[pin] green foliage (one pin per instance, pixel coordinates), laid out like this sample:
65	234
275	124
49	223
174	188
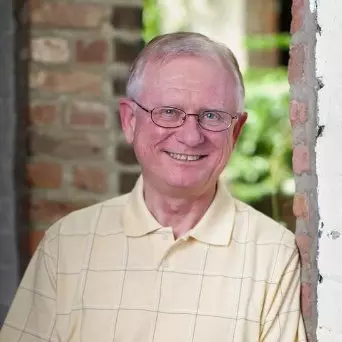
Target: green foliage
268	41
261	163
151	20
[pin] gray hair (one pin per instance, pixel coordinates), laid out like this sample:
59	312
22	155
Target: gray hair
166	46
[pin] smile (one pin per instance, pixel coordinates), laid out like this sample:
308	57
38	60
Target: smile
185	157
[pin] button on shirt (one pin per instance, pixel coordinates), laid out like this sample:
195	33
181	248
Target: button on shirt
111	272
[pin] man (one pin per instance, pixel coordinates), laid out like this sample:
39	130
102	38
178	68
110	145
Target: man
177	259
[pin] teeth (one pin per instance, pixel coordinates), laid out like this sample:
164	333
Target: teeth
186	157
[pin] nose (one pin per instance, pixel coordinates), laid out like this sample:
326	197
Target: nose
190	133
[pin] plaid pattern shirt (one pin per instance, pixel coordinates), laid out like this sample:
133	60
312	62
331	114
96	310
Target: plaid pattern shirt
111	273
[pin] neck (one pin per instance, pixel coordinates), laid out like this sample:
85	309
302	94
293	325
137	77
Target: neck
180	213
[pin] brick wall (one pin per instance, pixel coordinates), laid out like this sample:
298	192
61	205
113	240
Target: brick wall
79	59
303	116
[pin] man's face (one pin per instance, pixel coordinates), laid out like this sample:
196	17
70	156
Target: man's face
191	84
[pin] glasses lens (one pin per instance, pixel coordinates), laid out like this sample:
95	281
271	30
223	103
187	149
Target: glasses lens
168	116
215	120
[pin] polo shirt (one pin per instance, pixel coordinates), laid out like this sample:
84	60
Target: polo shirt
112	273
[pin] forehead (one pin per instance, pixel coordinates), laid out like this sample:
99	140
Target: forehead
191	79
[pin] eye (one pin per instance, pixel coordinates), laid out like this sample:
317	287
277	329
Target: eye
212	116
169	112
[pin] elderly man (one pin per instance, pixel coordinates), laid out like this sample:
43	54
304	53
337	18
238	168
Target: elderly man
178	258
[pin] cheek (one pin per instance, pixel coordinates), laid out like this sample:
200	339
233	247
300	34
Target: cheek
146	141
143	133
223	144
150	135
223	150
229	141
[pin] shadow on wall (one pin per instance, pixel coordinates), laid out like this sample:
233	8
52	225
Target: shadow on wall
14	255
21	79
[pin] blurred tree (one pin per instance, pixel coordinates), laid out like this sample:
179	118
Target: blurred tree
151	20
261	163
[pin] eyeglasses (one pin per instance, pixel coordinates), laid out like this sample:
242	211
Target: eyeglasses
171	117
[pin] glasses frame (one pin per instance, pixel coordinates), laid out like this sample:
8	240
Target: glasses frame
150	111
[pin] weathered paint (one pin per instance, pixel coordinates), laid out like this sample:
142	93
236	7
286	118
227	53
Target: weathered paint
313	5
329	169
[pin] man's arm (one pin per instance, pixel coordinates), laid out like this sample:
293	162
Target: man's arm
283	320
32	314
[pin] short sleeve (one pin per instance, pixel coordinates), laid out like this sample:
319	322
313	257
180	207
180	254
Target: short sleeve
33	311
283	320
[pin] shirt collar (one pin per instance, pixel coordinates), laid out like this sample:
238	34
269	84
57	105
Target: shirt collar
215	227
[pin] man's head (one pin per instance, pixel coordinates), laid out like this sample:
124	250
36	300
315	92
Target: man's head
183	154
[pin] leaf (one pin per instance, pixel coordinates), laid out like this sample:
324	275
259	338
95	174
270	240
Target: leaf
268	42
261	162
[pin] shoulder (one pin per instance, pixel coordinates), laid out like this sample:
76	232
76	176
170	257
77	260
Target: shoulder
70	241
72	236
270	247
261	228
90	219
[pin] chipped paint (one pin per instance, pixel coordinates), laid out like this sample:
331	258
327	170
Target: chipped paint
329	170
313	5
334	235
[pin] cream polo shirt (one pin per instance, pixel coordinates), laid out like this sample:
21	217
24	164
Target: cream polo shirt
111	273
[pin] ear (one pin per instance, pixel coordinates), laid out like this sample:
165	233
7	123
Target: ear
128	119
238	127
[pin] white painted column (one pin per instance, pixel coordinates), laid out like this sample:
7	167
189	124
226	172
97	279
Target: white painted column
329	169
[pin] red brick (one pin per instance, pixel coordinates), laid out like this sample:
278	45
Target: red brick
42	114
300	206
301	159
50	50
50	14
296	64
35	4
310	337
306	300
86	114
90	178
34	239
127	17
304	243
92	52
125	154
127	181
49	211
297	15
79	82
67	145
298	112
44	175
119	85
126	50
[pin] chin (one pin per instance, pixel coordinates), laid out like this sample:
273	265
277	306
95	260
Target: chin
185	181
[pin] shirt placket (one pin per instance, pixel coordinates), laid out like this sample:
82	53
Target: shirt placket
169	247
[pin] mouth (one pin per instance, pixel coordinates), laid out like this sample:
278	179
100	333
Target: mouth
185	157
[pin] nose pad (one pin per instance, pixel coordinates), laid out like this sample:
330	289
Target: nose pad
196	118
190	133
189	119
